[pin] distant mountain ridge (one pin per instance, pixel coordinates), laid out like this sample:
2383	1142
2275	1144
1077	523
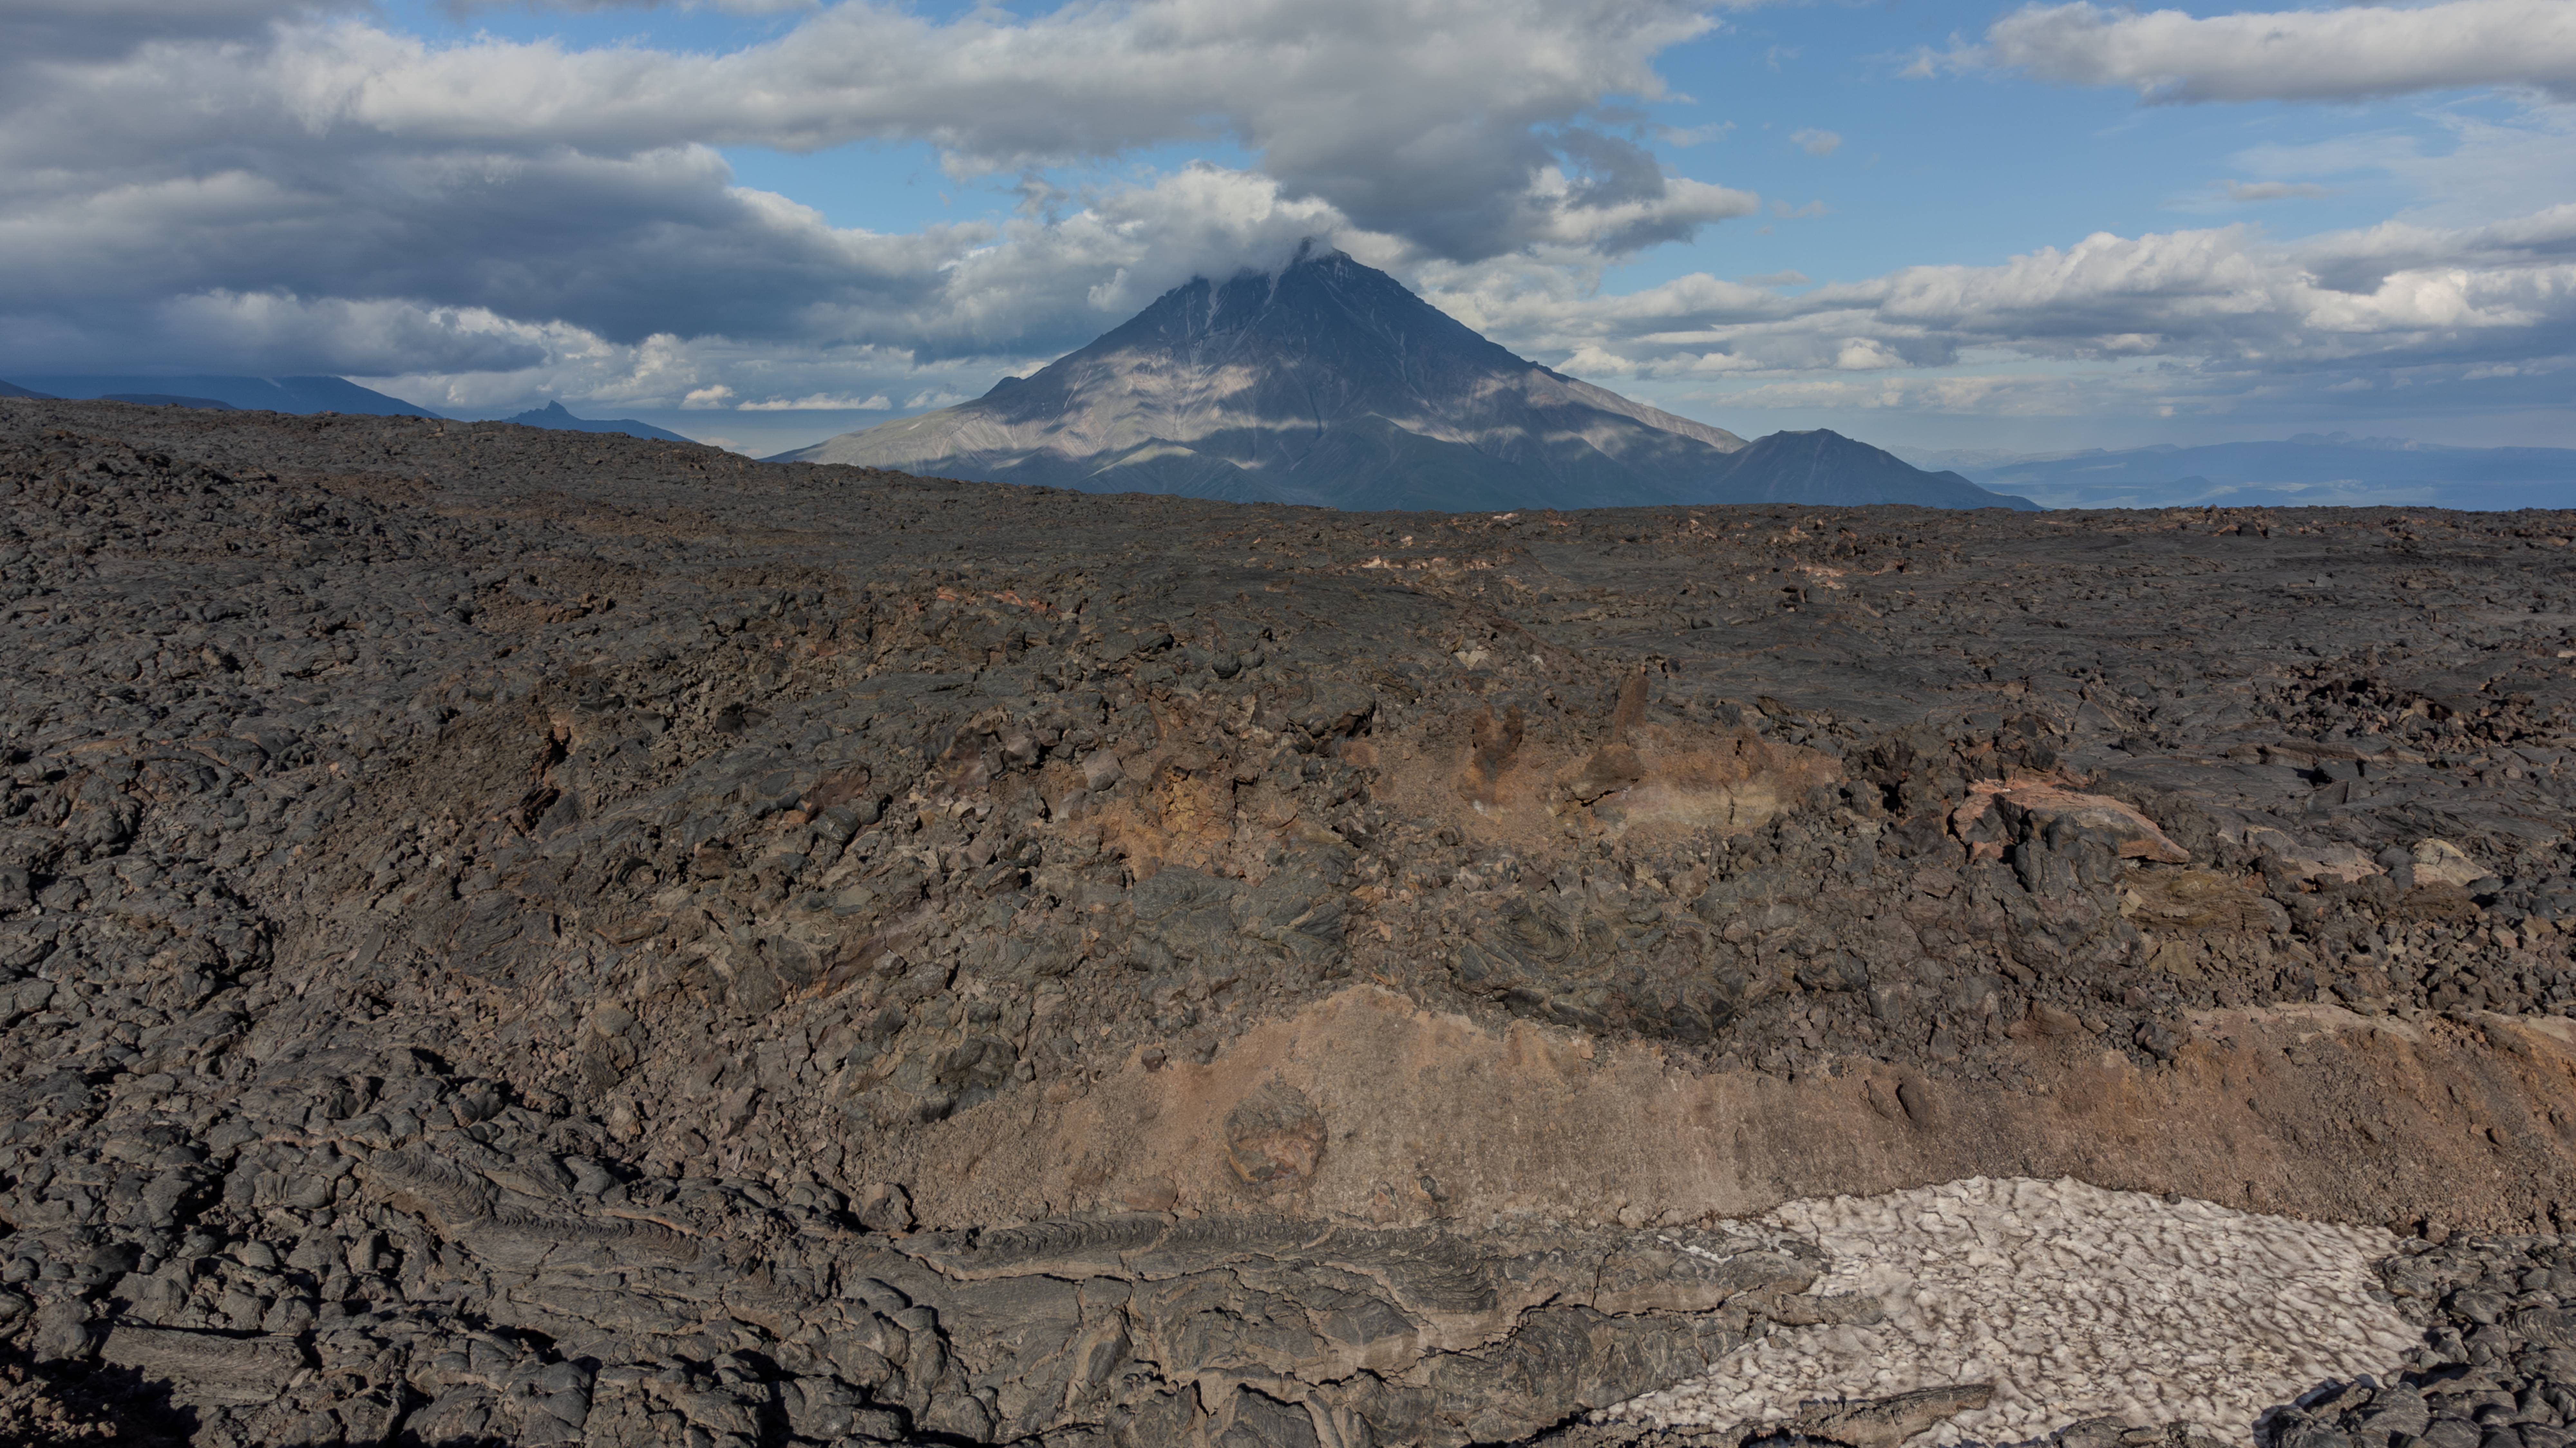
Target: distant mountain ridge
554	416
1330	383
266	394
2308	470
164	399
1827	468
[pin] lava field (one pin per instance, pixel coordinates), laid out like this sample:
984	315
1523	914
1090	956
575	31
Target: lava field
522	937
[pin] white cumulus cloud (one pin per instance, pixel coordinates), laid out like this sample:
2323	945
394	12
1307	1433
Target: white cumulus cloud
819	402
2211	315
2272	190
1423	118
2344	53
339	190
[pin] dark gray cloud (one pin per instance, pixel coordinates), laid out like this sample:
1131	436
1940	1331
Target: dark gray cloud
35	32
164	165
1463	139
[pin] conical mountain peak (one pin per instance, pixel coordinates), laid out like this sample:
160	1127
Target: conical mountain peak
1326	381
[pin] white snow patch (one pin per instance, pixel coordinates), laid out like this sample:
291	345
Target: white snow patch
2074	1301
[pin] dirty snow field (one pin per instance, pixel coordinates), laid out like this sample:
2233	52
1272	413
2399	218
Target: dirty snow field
2074	1301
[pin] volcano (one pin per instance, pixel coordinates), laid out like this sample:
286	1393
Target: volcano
1328	382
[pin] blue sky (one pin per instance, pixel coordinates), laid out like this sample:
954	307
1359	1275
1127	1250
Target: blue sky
1934	225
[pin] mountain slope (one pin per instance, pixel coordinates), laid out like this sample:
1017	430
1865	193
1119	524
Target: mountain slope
165	399
1329	383
265	394
554	416
12	389
1827	468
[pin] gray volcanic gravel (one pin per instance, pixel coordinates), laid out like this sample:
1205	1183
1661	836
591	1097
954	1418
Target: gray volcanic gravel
510	936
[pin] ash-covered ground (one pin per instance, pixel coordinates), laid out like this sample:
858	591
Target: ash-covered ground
521	937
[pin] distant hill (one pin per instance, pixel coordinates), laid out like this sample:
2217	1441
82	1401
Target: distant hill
553	415
1330	383
164	399
2308	470
1828	468
12	389
270	394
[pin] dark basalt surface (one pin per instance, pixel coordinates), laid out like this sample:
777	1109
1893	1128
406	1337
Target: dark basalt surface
500	929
